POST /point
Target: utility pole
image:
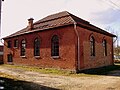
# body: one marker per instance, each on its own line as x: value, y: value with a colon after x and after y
x: 0, y: 12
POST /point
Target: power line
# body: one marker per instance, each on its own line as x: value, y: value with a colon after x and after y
x: 114, y: 7
x: 112, y: 4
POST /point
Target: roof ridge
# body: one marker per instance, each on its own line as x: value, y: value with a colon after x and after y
x: 55, y: 20
x: 56, y: 14
x: 50, y: 20
x: 71, y: 18
x: 74, y: 17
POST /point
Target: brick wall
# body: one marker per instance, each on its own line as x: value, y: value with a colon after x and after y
x: 86, y: 60
x: 68, y: 49
x: 66, y: 43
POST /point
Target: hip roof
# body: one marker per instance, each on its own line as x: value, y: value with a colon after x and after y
x: 59, y: 19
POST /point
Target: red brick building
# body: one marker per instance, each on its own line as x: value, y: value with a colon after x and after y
x: 61, y: 41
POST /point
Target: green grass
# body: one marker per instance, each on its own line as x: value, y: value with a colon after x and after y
x: 9, y: 82
x: 14, y: 83
x: 103, y: 70
x: 4, y: 75
x: 41, y: 70
x: 48, y: 71
x: 97, y: 71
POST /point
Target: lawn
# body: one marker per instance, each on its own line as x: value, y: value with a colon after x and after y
x: 103, y: 70
x: 97, y: 71
x: 9, y: 82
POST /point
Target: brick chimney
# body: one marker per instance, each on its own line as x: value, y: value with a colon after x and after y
x: 30, y: 23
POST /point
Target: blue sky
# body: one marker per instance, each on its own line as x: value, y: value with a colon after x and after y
x: 101, y: 13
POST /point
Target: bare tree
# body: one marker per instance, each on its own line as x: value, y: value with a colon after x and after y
x: 116, y: 46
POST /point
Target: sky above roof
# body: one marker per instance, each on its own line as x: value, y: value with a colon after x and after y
x: 102, y: 13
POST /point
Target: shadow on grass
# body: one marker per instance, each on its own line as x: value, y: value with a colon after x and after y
x: 11, y: 84
x: 113, y: 70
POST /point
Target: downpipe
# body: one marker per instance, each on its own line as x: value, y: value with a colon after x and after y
x: 78, y: 47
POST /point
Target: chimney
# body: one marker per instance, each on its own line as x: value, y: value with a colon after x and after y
x: 30, y: 23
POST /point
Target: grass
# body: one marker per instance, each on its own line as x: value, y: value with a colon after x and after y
x: 4, y: 75
x: 90, y: 72
x: 48, y: 71
x: 9, y: 82
x: 103, y: 70
x: 41, y: 70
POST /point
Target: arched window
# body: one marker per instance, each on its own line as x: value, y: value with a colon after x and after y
x: 92, y: 46
x: 104, y: 47
x: 36, y: 47
x: 55, y: 46
x: 16, y: 43
x: 9, y: 44
x: 23, y: 47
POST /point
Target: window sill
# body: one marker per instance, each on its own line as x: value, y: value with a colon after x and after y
x: 37, y: 57
x: 55, y: 57
x: 92, y: 57
x: 15, y: 47
x: 9, y: 47
x: 11, y: 63
x: 23, y: 56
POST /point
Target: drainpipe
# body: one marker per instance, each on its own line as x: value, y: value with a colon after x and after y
x: 115, y: 39
x: 78, y: 45
x: 113, y: 47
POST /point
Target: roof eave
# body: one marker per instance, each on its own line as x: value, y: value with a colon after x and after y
x: 37, y: 31
x: 96, y: 29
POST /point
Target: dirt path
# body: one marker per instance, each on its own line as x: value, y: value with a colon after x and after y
x: 66, y: 82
